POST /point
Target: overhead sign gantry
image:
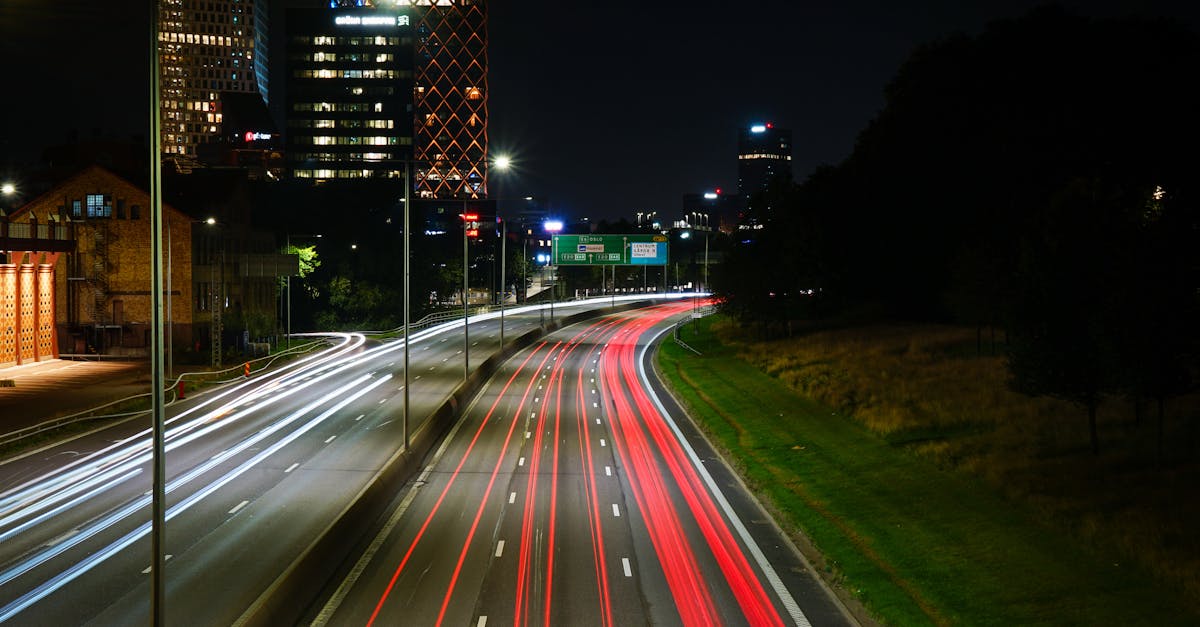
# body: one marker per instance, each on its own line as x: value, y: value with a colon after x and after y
x: 609, y: 250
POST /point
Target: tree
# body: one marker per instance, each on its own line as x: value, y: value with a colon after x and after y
x: 1061, y: 320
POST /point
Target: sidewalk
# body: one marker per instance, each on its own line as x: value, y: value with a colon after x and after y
x: 56, y: 388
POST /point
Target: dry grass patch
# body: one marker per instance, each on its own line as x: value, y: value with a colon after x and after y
x: 925, y: 389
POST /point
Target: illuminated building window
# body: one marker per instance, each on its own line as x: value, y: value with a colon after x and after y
x: 99, y: 206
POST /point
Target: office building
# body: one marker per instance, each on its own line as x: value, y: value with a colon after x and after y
x: 450, y: 98
x: 420, y: 69
x: 764, y: 153
x: 349, y: 93
x: 207, y: 48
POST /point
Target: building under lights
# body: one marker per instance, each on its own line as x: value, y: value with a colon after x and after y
x: 420, y: 69
x: 206, y: 48
x: 764, y: 153
x: 349, y: 92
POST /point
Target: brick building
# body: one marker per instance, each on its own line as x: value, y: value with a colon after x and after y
x: 102, y: 298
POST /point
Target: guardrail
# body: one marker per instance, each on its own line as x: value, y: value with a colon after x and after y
x: 706, y: 310
x: 171, y: 391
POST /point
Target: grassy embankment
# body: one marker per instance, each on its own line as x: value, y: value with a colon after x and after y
x: 942, y: 498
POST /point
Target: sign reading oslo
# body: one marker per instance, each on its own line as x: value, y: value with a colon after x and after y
x: 610, y: 250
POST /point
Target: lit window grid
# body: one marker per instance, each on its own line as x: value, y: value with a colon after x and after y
x: 204, y: 50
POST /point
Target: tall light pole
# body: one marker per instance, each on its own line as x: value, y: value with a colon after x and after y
x: 158, y: 498
x: 408, y: 183
x: 468, y: 220
x: 503, y: 291
x: 553, y: 227
x: 502, y: 164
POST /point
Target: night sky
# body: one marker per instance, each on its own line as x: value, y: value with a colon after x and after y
x: 607, y: 109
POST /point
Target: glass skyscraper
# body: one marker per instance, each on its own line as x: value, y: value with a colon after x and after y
x: 206, y: 48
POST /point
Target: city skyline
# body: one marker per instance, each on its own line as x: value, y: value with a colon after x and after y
x: 598, y: 126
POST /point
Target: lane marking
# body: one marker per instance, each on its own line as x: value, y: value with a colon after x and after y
x: 500, y: 548
x: 360, y: 417
x: 521, y: 462
x: 339, y: 595
x: 512, y: 498
x: 382, y: 401
x: 59, y: 539
x: 151, y: 567
x: 602, y: 442
x: 330, y: 439
x: 238, y: 507
x: 608, y: 471
x: 482, y: 622
x: 597, y: 421
x: 616, y: 510
x: 625, y: 566
x: 292, y: 467
x: 781, y: 591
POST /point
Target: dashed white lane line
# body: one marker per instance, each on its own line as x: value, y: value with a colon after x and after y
x: 150, y: 568
x: 292, y: 467
x: 625, y: 567
x: 382, y: 401
x: 521, y: 462
x: 482, y: 622
x: 330, y: 439
x: 608, y: 471
x: 528, y: 434
x: 597, y: 421
x: 602, y: 443
x: 512, y: 498
x: 237, y: 508
x: 500, y: 548
x: 616, y: 510
x: 360, y: 417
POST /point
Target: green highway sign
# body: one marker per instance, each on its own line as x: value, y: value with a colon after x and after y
x: 610, y: 250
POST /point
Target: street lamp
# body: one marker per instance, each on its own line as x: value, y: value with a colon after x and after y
x: 469, y: 222
x: 553, y: 227
x: 502, y: 164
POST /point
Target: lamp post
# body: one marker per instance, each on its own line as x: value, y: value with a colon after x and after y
x: 553, y: 227
x: 468, y: 220
x: 502, y: 163
x: 158, y: 499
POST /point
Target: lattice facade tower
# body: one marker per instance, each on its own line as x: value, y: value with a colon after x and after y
x: 449, y: 94
x: 207, y: 47
x: 450, y: 139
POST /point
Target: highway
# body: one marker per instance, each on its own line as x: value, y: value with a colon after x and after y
x: 572, y: 492
x: 255, y: 472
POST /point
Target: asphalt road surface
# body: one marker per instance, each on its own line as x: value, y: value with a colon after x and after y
x: 574, y: 492
x: 255, y: 471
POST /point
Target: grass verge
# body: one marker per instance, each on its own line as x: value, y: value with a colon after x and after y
x: 915, y: 542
